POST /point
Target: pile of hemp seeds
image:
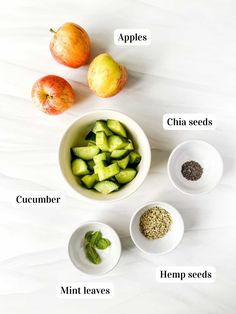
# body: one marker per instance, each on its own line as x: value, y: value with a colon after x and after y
x: 155, y: 223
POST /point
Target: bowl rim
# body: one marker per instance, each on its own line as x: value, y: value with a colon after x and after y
x: 73, y: 260
x: 173, y: 152
x: 148, y: 156
x: 162, y: 204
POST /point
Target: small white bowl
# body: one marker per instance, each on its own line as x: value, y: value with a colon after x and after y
x: 159, y: 246
x: 74, y: 136
x: 110, y: 256
x: 203, y: 153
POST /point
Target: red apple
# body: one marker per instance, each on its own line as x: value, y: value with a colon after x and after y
x: 52, y: 94
x: 70, y: 45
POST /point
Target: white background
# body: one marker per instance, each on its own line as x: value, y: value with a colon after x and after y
x: 190, y: 67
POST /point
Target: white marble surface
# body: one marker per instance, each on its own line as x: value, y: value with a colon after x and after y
x: 190, y: 67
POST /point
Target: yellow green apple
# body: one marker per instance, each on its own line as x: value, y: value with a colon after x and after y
x: 106, y: 77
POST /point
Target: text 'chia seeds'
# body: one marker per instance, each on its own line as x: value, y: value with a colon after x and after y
x: 155, y: 223
x: 192, y: 170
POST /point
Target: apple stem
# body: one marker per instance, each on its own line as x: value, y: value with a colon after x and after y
x: 52, y: 30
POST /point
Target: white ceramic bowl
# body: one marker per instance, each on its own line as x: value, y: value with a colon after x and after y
x: 203, y: 153
x: 110, y: 256
x: 74, y: 136
x: 159, y: 246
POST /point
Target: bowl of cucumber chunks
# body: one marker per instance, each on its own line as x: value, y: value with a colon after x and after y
x: 105, y: 155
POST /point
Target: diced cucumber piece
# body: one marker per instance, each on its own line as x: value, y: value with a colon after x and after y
x: 119, y: 153
x: 126, y: 175
x: 106, y: 187
x: 123, y: 163
x: 116, y: 127
x: 130, y: 146
x: 116, y: 142
x: 98, y: 166
x: 90, y: 180
x: 86, y: 153
x: 90, y: 164
x: 134, y: 159
x: 101, y: 141
x: 100, y: 157
x: 91, y: 137
x: 108, y: 172
x: 79, y: 167
x: 101, y: 125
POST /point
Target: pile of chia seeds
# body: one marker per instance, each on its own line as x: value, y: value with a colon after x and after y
x: 192, y: 170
